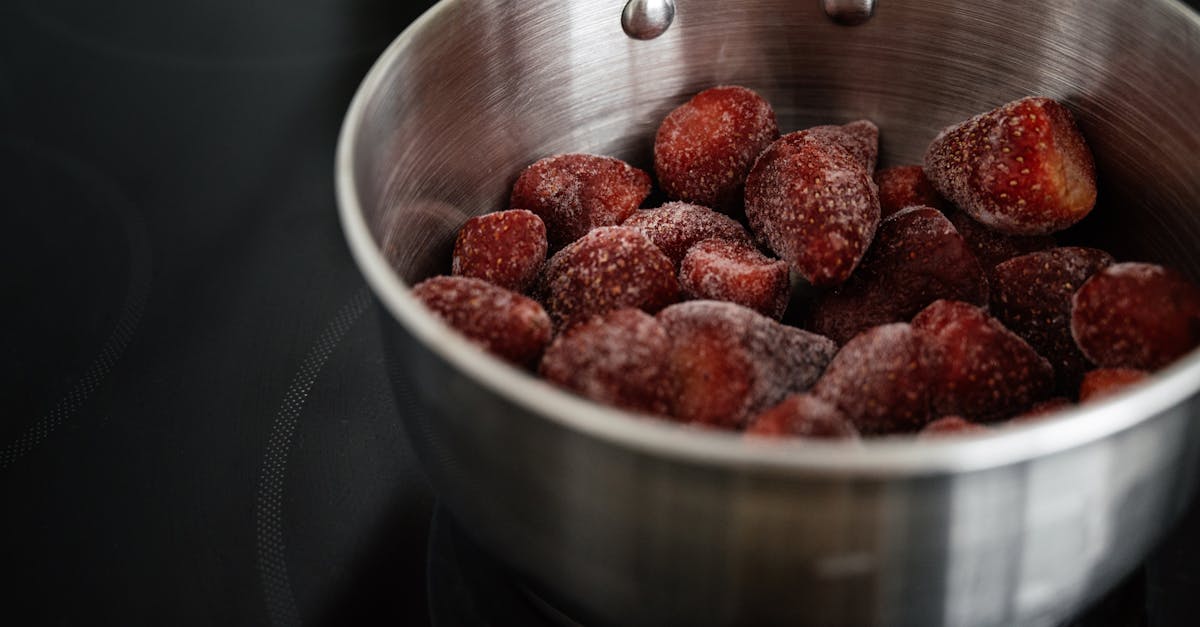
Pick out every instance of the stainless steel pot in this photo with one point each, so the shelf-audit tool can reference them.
(618, 519)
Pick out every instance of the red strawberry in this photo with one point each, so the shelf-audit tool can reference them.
(609, 268)
(917, 258)
(1031, 295)
(1136, 315)
(704, 148)
(507, 248)
(880, 380)
(619, 359)
(728, 363)
(1041, 410)
(576, 193)
(859, 138)
(1107, 381)
(906, 186)
(719, 270)
(806, 416)
(951, 425)
(981, 370)
(1022, 169)
(501, 322)
(814, 205)
(676, 226)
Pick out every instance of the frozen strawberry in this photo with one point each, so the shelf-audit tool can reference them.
(705, 147)
(1136, 315)
(719, 270)
(992, 248)
(609, 268)
(980, 370)
(1043, 409)
(951, 425)
(859, 138)
(806, 416)
(506, 248)
(814, 205)
(574, 194)
(1107, 381)
(619, 359)
(677, 226)
(1031, 295)
(1021, 169)
(917, 258)
(906, 186)
(880, 380)
(728, 363)
(502, 322)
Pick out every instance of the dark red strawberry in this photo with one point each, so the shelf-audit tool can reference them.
(917, 258)
(1107, 381)
(609, 268)
(859, 138)
(906, 186)
(951, 425)
(676, 226)
(500, 321)
(814, 205)
(1031, 295)
(576, 193)
(729, 363)
(1136, 315)
(704, 148)
(805, 416)
(618, 358)
(719, 270)
(992, 248)
(980, 370)
(1021, 169)
(507, 248)
(880, 380)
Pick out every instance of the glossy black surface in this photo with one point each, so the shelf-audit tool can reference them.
(173, 273)
(195, 423)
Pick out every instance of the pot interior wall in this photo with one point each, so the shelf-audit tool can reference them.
(480, 89)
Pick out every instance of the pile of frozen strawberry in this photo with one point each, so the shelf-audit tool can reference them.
(929, 299)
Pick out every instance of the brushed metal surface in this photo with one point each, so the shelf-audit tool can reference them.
(625, 520)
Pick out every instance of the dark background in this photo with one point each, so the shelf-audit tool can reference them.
(173, 278)
(195, 427)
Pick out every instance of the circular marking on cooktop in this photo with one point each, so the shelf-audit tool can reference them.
(268, 505)
(81, 265)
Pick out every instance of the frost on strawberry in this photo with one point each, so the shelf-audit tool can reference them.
(576, 193)
(1021, 169)
(704, 148)
(917, 258)
(1136, 315)
(729, 363)
(814, 205)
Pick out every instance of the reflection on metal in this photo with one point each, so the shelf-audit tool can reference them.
(647, 19)
(849, 12)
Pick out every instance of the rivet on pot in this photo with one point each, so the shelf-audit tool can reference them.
(647, 19)
(849, 12)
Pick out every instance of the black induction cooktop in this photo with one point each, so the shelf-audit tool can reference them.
(195, 422)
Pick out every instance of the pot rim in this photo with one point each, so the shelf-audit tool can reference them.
(890, 456)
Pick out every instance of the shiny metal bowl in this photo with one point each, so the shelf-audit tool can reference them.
(620, 519)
